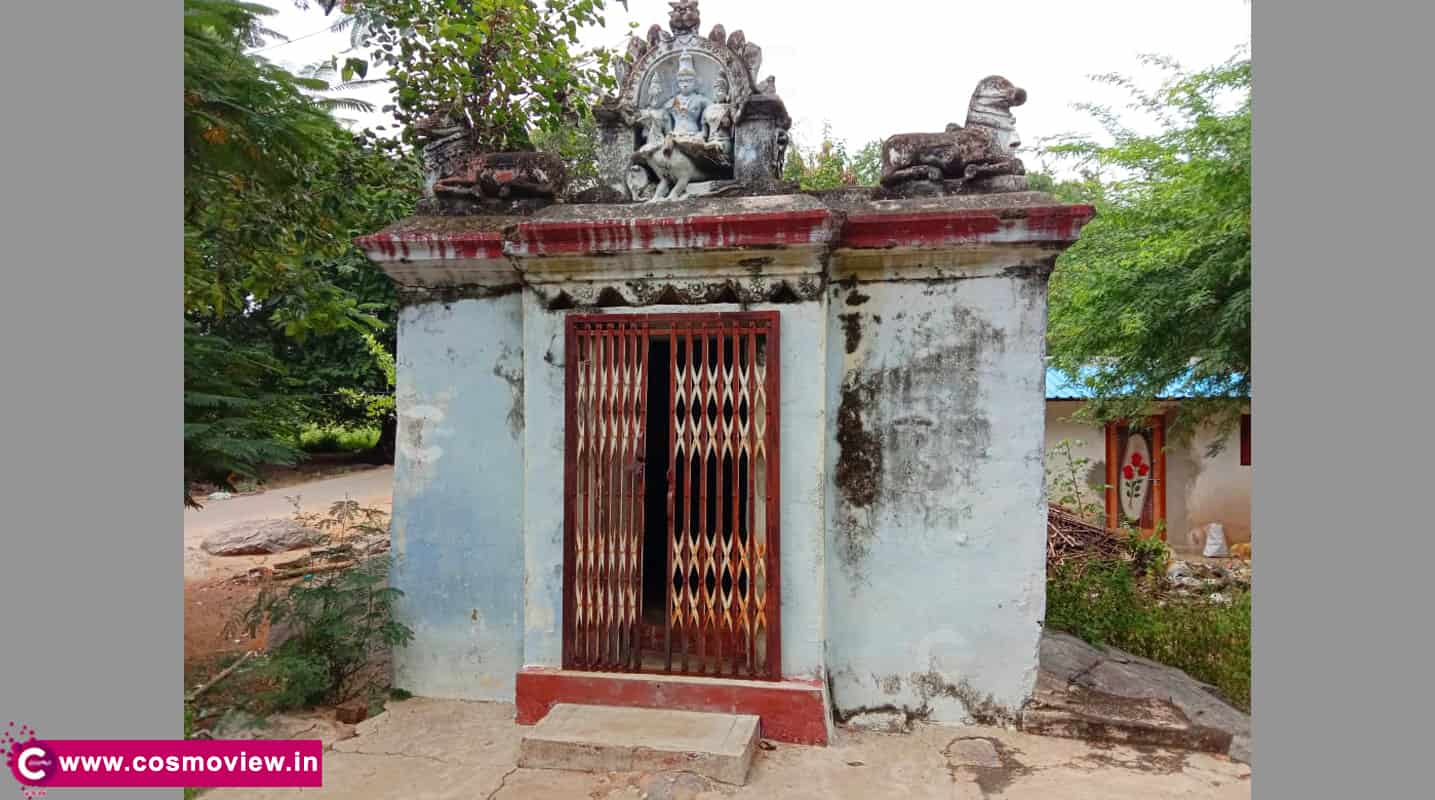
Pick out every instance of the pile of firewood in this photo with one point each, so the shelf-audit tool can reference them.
(1071, 540)
(322, 559)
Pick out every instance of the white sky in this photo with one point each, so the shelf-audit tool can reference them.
(894, 66)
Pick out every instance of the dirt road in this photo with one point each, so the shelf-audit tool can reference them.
(371, 488)
(211, 599)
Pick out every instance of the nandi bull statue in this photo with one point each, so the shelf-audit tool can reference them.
(977, 157)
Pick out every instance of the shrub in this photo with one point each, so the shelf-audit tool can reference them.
(1122, 602)
(316, 439)
(1111, 603)
(339, 622)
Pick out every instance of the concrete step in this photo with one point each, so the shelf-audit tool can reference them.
(614, 739)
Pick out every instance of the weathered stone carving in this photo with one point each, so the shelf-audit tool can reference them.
(685, 135)
(690, 114)
(980, 157)
(458, 177)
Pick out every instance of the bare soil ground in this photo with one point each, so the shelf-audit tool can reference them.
(210, 605)
(215, 590)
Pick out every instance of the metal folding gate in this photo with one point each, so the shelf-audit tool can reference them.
(720, 613)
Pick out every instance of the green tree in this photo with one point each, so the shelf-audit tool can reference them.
(238, 412)
(508, 66)
(275, 190)
(829, 166)
(1156, 294)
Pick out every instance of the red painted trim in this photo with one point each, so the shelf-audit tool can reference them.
(948, 228)
(1113, 455)
(1114, 432)
(1158, 505)
(541, 238)
(938, 228)
(791, 711)
(394, 247)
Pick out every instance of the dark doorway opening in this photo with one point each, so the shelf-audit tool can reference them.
(655, 500)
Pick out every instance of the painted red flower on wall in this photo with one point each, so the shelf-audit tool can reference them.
(1136, 477)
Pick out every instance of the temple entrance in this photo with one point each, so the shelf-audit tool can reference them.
(670, 498)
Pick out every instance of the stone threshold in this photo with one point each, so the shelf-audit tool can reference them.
(793, 711)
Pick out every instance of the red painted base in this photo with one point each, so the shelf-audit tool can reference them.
(791, 711)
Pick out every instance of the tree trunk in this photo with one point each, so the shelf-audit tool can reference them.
(383, 451)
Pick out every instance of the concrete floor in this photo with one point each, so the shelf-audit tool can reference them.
(421, 749)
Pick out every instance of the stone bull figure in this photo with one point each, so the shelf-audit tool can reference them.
(984, 148)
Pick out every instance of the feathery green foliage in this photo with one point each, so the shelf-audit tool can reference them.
(1157, 291)
(237, 414)
(275, 190)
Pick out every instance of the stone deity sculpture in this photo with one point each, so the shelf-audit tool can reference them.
(688, 151)
(691, 117)
(717, 119)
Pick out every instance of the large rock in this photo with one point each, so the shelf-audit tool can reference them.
(1090, 692)
(259, 537)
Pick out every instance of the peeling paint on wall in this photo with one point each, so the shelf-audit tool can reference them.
(935, 505)
(457, 529)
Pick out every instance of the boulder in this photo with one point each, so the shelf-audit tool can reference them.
(259, 537)
(1085, 691)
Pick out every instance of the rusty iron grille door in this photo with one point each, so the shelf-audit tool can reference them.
(687, 488)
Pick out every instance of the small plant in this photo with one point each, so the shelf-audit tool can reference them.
(339, 620)
(1065, 472)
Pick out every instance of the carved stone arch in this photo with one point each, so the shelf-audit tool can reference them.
(711, 60)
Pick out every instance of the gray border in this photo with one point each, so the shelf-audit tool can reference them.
(1342, 305)
(90, 576)
(91, 570)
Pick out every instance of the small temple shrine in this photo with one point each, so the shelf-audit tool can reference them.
(694, 439)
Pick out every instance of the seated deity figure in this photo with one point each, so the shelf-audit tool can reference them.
(687, 106)
(690, 147)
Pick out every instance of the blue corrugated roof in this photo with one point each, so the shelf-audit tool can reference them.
(1059, 386)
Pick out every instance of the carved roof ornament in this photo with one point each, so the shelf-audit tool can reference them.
(718, 55)
(686, 98)
(684, 17)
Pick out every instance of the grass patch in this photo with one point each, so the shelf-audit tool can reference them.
(1114, 604)
(333, 439)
